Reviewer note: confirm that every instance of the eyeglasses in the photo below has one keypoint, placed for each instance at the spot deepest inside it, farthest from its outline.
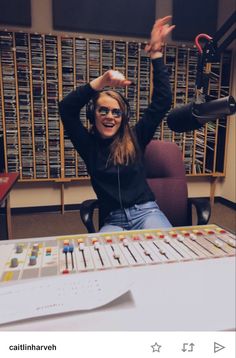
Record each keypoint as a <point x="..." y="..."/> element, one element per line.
<point x="116" y="112"/>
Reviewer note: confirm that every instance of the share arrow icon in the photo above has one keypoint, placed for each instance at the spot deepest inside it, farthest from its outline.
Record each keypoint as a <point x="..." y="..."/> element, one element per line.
<point x="218" y="347"/>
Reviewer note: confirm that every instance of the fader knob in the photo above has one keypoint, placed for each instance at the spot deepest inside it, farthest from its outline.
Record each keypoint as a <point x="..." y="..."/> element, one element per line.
<point x="34" y="253"/>
<point x="96" y="246"/>
<point x="33" y="260"/>
<point x="81" y="246"/>
<point x="125" y="243"/>
<point x="231" y="242"/>
<point x="71" y="248"/>
<point x="14" y="262"/>
<point x="116" y="255"/>
<point x="19" y="249"/>
<point x="36" y="247"/>
<point x="217" y="243"/>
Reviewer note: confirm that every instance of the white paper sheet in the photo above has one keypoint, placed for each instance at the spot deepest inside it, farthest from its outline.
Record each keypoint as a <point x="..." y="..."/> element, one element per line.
<point x="59" y="294"/>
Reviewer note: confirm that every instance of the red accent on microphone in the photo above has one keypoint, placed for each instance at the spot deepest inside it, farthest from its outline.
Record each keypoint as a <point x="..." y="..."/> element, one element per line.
<point x="197" y="40"/>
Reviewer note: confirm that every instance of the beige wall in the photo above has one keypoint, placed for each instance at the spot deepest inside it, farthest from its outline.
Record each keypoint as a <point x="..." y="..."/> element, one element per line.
<point x="43" y="194"/>
<point x="228" y="189"/>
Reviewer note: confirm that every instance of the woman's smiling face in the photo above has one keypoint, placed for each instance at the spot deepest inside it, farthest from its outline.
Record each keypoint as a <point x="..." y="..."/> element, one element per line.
<point x="108" y="116"/>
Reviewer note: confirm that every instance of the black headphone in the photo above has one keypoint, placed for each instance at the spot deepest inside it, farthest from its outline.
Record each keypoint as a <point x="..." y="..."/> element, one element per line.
<point x="90" y="107"/>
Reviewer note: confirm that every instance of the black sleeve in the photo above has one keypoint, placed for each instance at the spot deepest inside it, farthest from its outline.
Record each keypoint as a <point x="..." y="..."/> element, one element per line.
<point x="69" y="109"/>
<point x="160" y="104"/>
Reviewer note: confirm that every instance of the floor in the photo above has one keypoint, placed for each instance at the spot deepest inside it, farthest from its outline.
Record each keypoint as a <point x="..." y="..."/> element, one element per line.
<point x="56" y="223"/>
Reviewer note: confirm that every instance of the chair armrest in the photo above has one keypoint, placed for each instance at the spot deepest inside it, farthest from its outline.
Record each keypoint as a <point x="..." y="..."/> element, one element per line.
<point x="86" y="213"/>
<point x="203" y="209"/>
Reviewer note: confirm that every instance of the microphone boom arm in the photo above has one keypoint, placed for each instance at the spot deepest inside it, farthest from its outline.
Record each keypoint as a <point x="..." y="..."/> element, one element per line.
<point x="202" y="109"/>
<point x="211" y="52"/>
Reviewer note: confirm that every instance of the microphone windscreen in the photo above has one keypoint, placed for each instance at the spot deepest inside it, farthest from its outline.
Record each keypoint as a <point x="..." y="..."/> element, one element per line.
<point x="181" y="119"/>
<point x="224" y="106"/>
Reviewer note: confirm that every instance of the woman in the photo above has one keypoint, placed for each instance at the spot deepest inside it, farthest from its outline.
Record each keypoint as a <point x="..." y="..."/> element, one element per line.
<point x="111" y="150"/>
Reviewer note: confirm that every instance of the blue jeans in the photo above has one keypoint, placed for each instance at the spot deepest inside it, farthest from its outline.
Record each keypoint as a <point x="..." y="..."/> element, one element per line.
<point x="137" y="217"/>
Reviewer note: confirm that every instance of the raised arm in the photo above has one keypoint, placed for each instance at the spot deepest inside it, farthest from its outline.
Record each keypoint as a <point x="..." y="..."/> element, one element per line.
<point x="69" y="109"/>
<point x="161" y="95"/>
<point x="161" y="29"/>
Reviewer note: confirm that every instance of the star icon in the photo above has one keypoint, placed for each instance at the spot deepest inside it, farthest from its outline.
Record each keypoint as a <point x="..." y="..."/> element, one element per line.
<point x="156" y="348"/>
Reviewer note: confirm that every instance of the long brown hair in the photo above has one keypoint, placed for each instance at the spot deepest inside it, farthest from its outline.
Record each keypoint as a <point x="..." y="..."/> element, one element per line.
<point x="123" y="147"/>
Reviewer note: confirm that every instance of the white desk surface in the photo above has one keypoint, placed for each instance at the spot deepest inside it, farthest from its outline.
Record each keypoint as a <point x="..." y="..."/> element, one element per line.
<point x="186" y="296"/>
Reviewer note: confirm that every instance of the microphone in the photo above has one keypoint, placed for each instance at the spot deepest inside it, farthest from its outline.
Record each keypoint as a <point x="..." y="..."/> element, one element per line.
<point x="193" y="115"/>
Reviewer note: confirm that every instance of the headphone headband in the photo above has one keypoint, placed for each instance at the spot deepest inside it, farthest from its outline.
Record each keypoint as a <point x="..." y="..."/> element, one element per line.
<point x="90" y="107"/>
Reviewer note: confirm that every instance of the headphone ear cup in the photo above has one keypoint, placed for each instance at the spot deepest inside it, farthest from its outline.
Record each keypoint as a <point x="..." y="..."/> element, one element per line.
<point x="90" y="112"/>
<point x="127" y="109"/>
<point x="127" y="105"/>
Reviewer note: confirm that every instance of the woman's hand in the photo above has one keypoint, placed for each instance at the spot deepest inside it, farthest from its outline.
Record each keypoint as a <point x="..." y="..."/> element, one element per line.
<point x="110" y="78"/>
<point x="161" y="29"/>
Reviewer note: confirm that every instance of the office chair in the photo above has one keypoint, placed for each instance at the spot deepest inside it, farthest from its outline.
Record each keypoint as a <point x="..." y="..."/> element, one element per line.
<point x="166" y="177"/>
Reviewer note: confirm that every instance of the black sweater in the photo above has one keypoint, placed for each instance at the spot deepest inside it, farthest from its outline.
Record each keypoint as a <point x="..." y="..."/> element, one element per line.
<point x="115" y="186"/>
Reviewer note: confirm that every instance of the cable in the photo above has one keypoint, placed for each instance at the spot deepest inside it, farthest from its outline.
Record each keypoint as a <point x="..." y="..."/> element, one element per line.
<point x="119" y="192"/>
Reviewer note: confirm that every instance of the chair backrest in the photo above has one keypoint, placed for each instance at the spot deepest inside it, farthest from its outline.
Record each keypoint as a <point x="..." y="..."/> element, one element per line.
<point x="166" y="177"/>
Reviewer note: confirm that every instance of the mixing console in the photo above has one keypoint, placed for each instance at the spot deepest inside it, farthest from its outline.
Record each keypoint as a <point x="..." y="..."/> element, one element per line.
<point x="44" y="257"/>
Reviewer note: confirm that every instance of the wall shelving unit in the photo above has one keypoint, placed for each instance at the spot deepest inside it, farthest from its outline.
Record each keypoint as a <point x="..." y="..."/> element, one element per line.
<point x="37" y="70"/>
